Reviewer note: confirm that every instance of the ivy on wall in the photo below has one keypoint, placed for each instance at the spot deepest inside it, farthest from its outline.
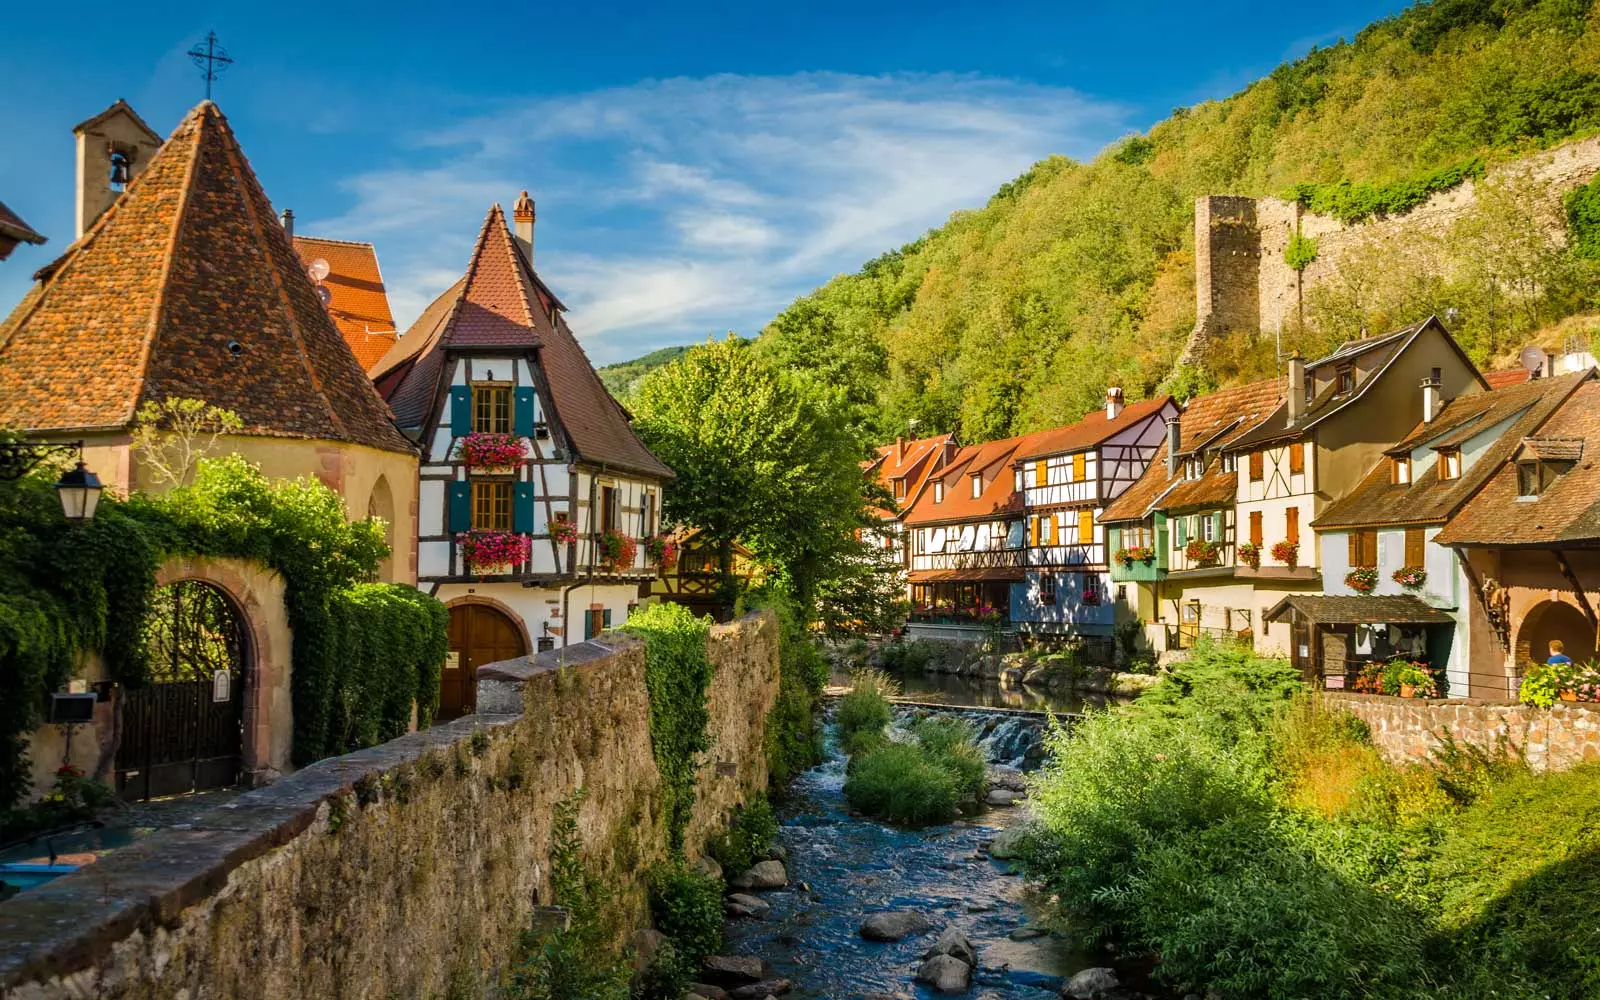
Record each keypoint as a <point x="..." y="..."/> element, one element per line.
<point x="678" y="675"/>
<point x="1583" y="220"/>
<point x="1356" y="202"/>
<point x="363" y="652"/>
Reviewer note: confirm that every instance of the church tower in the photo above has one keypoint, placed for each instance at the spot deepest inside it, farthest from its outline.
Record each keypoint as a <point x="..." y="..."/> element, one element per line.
<point x="114" y="147"/>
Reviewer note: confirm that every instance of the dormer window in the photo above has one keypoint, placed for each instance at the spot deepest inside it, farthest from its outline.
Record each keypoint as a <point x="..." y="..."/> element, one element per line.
<point x="1016" y="482"/>
<point x="1230" y="462"/>
<point x="1400" y="470"/>
<point x="1538" y="475"/>
<point x="1450" y="463"/>
<point x="938" y="492"/>
<point x="900" y="488"/>
<point x="1347" y="380"/>
<point x="977" y="486"/>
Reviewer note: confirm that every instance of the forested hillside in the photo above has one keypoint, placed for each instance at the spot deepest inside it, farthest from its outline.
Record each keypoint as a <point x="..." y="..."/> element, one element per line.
<point x="1074" y="276"/>
<point x="621" y="377"/>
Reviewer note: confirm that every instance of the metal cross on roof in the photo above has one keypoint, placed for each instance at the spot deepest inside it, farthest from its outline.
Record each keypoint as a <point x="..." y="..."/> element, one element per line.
<point x="212" y="59"/>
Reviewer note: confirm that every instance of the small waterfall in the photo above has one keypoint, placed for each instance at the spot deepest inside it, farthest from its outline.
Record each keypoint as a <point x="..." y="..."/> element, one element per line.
<point x="1011" y="740"/>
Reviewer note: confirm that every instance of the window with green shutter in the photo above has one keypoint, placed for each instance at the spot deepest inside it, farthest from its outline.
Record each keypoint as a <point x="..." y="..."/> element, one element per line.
<point x="522" y="508"/>
<point x="460" y="512"/>
<point x="522" y="408"/>
<point x="460" y="411"/>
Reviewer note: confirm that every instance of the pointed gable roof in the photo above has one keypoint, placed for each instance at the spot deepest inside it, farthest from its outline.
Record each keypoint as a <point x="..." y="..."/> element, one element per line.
<point x="501" y="303"/>
<point x="188" y="287"/>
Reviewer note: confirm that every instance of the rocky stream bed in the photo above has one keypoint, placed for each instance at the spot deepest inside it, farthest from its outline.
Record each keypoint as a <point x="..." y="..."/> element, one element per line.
<point x="866" y="910"/>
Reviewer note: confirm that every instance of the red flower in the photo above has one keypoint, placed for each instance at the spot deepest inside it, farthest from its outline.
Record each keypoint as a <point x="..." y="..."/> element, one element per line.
<point x="482" y="549"/>
<point x="490" y="451"/>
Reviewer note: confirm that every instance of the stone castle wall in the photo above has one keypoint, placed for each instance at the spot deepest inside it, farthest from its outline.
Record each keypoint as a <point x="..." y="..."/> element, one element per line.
<point x="1242" y="282"/>
<point x="1408" y="729"/>
<point x="407" y="869"/>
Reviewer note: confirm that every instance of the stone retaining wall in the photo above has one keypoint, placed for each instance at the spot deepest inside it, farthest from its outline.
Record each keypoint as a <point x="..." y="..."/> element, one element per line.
<point x="403" y="870"/>
<point x="1408" y="729"/>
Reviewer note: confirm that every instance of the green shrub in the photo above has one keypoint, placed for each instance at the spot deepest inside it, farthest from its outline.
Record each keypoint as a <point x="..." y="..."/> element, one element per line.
<point x="865" y="710"/>
<point x="1583" y="220"/>
<point x="678" y="674"/>
<point x="687" y="906"/>
<point x="949" y="743"/>
<point x="900" y="783"/>
<point x="745" y="841"/>
<point x="907" y="657"/>
<point x="794" y="729"/>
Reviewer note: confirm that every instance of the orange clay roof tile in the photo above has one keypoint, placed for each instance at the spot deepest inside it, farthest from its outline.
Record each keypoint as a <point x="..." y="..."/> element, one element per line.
<point x="358" y="303"/>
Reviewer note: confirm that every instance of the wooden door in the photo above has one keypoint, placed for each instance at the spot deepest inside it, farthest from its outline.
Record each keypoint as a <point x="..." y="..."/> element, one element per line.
<point x="479" y="634"/>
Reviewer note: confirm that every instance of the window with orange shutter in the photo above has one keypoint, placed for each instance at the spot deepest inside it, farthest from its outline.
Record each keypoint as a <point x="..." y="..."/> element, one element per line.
<point x="1257" y="472"/>
<point x="1297" y="458"/>
<point x="1085" y="527"/>
<point x="1416" y="543"/>
<point x="1255" y="528"/>
<point x="1041" y="473"/>
<point x="1080" y="467"/>
<point x="1291" y="526"/>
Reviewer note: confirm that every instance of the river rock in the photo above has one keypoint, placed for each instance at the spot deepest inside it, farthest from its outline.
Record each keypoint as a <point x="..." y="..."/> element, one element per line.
<point x="1028" y="933"/>
<point x="708" y="991"/>
<point x="892" y="925"/>
<point x="1001" y="776"/>
<point x="734" y="970"/>
<point x="777" y="852"/>
<point x="1090" y="983"/>
<point x="757" y="991"/>
<point x="1001" y="797"/>
<point x="709" y="866"/>
<point x="946" y="974"/>
<point x="744" y="905"/>
<point x="765" y="875"/>
<point x="1007" y="844"/>
<point x="955" y="944"/>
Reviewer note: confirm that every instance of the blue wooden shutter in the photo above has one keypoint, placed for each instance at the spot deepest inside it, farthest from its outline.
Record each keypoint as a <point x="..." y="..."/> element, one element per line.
<point x="522" y="413"/>
<point x="522" y="508"/>
<point x="460" y="507"/>
<point x="460" y="410"/>
<point x="1216" y="527"/>
<point x="1182" y="524"/>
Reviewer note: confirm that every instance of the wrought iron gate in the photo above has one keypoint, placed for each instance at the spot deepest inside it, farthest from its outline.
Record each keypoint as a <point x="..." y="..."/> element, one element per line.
<point x="183" y="731"/>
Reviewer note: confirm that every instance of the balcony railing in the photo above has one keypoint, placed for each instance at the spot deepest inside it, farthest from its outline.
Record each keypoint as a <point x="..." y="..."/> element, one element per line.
<point x="980" y="559"/>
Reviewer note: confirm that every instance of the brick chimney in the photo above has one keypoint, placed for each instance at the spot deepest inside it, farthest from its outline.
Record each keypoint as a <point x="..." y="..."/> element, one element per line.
<point x="1297" y="387"/>
<point x="899" y="450"/>
<point x="522" y="216"/>
<point x="1174" y="441"/>
<point x="1113" y="403"/>
<point x="1432" y="398"/>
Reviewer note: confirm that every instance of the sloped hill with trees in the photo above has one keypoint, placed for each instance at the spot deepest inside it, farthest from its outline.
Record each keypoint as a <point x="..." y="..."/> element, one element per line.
<point x="1016" y="315"/>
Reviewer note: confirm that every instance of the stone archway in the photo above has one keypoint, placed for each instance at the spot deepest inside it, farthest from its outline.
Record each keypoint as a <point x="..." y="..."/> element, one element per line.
<point x="380" y="504"/>
<point x="1549" y="620"/>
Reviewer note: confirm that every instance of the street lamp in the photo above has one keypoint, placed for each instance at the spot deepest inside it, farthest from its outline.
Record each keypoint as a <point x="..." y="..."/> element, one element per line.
<point x="79" y="490"/>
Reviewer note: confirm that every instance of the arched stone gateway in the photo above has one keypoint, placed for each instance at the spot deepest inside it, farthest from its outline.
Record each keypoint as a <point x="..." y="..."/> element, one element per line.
<point x="184" y="730"/>
<point x="1554" y="620"/>
<point x="380" y="504"/>
<point x="481" y="631"/>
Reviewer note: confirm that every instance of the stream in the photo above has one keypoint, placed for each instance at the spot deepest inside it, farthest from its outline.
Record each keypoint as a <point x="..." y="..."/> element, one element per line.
<point x="843" y="867"/>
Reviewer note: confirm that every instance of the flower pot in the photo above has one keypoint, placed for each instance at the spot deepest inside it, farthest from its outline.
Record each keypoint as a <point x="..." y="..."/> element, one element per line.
<point x="494" y="470"/>
<point x="493" y="569"/>
<point x="1407" y="691"/>
<point x="1569" y="696"/>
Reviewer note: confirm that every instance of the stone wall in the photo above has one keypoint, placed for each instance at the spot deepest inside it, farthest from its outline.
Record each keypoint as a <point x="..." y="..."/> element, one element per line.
<point x="407" y="869"/>
<point x="1408" y="729"/>
<point x="1242" y="282"/>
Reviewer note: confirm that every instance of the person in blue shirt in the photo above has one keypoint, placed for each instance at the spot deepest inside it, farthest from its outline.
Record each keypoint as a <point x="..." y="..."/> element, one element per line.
<point x="1558" y="653"/>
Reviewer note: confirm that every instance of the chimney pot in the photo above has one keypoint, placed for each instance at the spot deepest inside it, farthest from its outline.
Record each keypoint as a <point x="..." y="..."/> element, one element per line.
<point x="1174" y="441"/>
<point x="1297" y="387"/>
<point x="288" y="223"/>
<point x="1113" y="402"/>
<point x="900" y="449"/>
<point x="1432" y="398"/>
<point x="522" y="218"/>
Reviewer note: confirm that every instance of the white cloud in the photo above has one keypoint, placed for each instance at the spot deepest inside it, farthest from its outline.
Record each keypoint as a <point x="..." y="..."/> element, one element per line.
<point x="675" y="208"/>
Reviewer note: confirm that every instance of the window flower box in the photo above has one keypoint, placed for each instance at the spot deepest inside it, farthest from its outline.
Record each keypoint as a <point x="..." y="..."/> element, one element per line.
<point x="661" y="551"/>
<point x="492" y="553"/>
<point x="491" y="453"/>
<point x="1140" y="553"/>
<point x="617" y="551"/>
<point x="1362" y="580"/>
<point x="563" y="532"/>
<point x="1411" y="577"/>
<point x="1250" y="555"/>
<point x="1202" y="553"/>
<point x="1287" y="553"/>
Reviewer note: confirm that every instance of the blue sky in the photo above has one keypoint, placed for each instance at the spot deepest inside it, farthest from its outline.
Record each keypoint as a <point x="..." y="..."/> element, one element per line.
<point x="696" y="167"/>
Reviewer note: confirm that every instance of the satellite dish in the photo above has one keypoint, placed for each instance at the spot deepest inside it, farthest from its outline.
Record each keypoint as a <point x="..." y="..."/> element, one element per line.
<point x="325" y="295"/>
<point x="318" y="269"/>
<point x="1533" y="359"/>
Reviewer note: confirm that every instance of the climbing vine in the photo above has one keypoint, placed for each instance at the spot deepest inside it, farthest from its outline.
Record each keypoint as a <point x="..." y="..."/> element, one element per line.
<point x="362" y="654"/>
<point x="1300" y="252"/>
<point x="678" y="674"/>
<point x="1356" y="202"/>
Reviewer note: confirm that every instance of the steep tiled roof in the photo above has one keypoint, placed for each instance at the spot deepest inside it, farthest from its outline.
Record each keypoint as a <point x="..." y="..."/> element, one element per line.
<point x="1210" y="421"/>
<point x="1378" y="352"/>
<point x="357" y="302"/>
<point x="186" y="286"/>
<point x="1089" y="431"/>
<point x="912" y="461"/>
<point x="13" y="228"/>
<point x="1374" y="609"/>
<point x="1507" y="376"/>
<point x="501" y="303"/>
<point x="1567" y="512"/>
<point x="1377" y="500"/>
<point x="999" y="498"/>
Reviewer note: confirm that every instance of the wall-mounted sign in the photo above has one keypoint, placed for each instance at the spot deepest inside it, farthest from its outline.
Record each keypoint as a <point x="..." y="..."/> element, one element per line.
<point x="221" y="685"/>
<point x="452" y="660"/>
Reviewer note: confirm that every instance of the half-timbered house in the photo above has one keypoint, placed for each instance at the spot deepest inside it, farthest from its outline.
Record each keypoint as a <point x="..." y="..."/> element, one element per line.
<point x="1172" y="537"/>
<point x="1340" y="414"/>
<point x="901" y="469"/>
<point x="536" y="498"/>
<point x="1066" y="476"/>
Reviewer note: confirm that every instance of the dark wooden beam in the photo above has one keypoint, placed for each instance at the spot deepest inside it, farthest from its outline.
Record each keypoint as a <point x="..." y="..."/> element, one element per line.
<point x="1577" y="588"/>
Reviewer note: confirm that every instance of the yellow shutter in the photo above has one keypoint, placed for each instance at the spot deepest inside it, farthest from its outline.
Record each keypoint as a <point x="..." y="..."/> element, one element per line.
<point x="1041" y="472"/>
<point x="1080" y="467"/>
<point x="1085" y="527"/>
<point x="1035" y="531"/>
